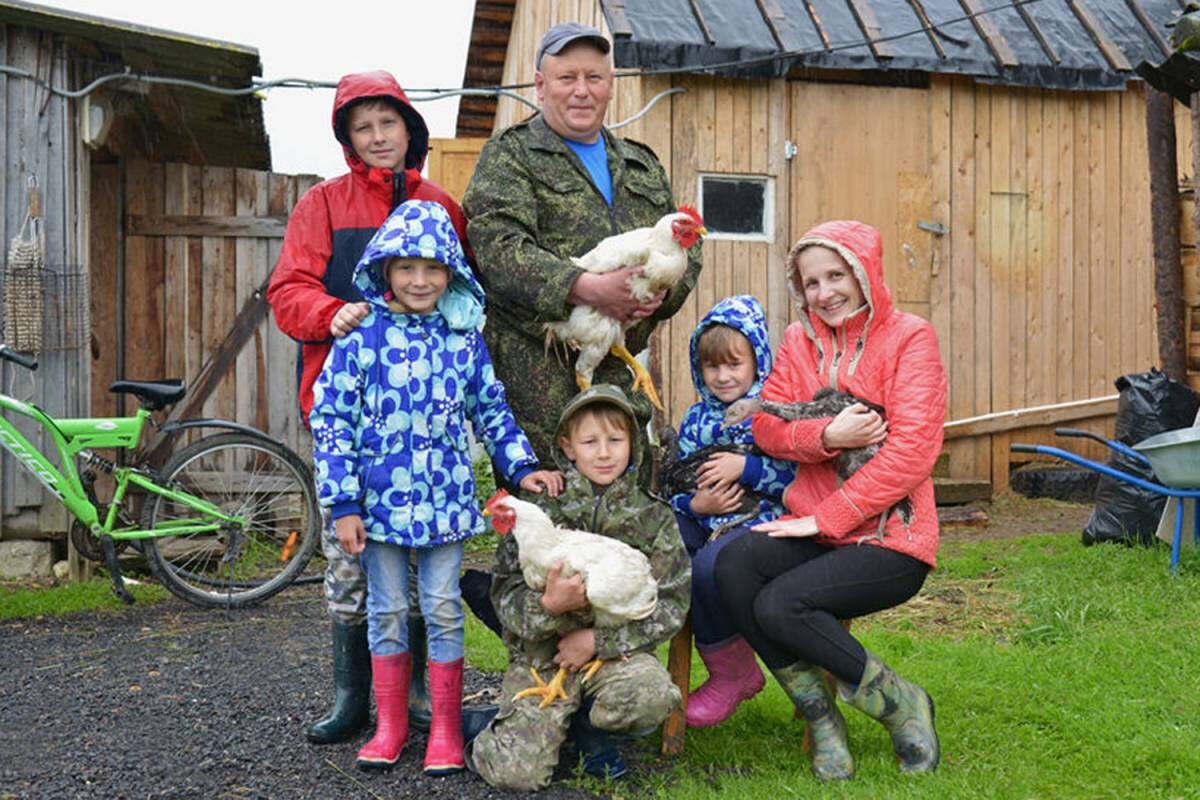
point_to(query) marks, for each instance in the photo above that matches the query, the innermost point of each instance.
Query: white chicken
(619, 584)
(661, 252)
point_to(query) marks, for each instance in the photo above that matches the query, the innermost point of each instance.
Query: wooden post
(1164, 220)
(679, 664)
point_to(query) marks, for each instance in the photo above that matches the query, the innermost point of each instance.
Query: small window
(737, 206)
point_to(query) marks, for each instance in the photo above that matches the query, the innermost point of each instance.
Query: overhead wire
(504, 90)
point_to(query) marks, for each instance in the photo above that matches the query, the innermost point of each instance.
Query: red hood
(862, 248)
(379, 84)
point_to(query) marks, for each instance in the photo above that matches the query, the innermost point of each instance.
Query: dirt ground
(171, 701)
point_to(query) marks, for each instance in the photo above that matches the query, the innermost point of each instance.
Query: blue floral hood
(744, 314)
(422, 229)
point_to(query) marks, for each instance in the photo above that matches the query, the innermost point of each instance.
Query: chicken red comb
(496, 498)
(693, 213)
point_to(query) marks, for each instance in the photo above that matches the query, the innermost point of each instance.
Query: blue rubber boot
(600, 758)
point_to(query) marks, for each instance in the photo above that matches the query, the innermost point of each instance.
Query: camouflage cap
(563, 34)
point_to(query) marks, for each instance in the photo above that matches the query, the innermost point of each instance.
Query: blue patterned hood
(744, 314)
(422, 229)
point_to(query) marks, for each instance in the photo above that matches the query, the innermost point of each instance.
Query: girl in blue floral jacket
(394, 467)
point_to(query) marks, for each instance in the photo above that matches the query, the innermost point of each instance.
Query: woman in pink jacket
(831, 558)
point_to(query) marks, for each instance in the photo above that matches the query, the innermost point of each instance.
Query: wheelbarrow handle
(1023, 448)
(1109, 443)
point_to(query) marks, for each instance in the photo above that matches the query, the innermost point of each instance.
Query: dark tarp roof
(1062, 44)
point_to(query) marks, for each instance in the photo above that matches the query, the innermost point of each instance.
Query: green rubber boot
(806, 685)
(904, 708)
(352, 687)
(420, 710)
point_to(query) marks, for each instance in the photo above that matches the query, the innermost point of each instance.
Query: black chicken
(826, 402)
(678, 476)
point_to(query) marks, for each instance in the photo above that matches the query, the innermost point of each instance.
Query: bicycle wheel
(259, 480)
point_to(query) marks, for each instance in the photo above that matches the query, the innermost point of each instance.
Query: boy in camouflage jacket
(632, 692)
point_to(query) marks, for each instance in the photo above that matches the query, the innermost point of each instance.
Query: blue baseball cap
(564, 34)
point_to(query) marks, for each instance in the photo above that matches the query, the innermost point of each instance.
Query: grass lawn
(34, 600)
(1058, 672)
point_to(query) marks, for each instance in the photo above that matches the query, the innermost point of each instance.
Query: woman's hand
(351, 534)
(548, 479)
(563, 594)
(799, 527)
(576, 649)
(855, 426)
(721, 469)
(710, 501)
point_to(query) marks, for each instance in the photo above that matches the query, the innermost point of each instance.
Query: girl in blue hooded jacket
(394, 467)
(731, 358)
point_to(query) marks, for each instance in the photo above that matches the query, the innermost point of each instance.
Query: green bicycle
(228, 521)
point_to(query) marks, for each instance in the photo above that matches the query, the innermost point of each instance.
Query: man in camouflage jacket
(532, 205)
(631, 692)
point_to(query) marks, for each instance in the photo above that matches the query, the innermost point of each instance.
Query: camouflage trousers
(519, 750)
(346, 582)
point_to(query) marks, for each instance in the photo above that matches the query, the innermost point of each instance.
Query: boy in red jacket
(312, 293)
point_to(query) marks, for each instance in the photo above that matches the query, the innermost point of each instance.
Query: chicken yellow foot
(591, 669)
(641, 378)
(549, 692)
(583, 383)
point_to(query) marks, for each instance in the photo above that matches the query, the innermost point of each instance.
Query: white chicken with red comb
(619, 583)
(661, 253)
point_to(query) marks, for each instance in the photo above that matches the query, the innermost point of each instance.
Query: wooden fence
(198, 242)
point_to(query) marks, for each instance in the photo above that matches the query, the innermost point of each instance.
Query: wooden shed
(161, 219)
(999, 147)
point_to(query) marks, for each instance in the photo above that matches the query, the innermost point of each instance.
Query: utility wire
(510, 90)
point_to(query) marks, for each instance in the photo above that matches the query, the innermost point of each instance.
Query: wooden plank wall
(182, 292)
(38, 138)
(1044, 292)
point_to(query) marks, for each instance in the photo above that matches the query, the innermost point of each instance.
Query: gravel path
(170, 701)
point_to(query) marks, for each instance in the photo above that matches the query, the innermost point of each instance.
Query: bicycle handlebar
(8, 354)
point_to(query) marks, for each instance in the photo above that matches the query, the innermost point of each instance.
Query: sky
(424, 44)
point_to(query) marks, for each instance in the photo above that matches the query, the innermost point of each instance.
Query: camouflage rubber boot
(904, 708)
(807, 687)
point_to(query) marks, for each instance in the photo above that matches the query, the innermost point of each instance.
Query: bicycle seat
(154, 395)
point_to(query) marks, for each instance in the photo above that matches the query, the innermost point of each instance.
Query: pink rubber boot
(444, 751)
(390, 676)
(733, 676)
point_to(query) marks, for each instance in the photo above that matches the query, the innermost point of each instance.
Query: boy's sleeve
(302, 305)
(495, 425)
(672, 569)
(501, 207)
(337, 402)
(519, 607)
(797, 440)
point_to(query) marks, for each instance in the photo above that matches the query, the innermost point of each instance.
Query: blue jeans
(387, 568)
(710, 623)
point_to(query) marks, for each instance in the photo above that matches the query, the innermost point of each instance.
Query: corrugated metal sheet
(1063, 44)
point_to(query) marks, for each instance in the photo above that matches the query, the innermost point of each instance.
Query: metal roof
(1062, 44)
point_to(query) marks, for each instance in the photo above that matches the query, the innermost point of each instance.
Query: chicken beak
(487, 512)
(703, 231)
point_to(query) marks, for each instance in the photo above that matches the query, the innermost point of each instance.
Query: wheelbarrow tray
(1174, 456)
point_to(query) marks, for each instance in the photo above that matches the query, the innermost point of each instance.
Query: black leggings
(785, 596)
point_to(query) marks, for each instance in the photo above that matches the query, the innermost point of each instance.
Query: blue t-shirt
(595, 158)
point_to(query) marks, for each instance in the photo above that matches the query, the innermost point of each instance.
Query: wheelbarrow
(1174, 456)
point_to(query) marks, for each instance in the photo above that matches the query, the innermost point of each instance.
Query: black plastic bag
(1150, 404)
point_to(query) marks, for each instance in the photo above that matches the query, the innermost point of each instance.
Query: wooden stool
(679, 665)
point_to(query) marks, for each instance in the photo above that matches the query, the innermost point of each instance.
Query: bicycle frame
(71, 438)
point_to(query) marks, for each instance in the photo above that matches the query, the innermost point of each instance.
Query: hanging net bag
(24, 282)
